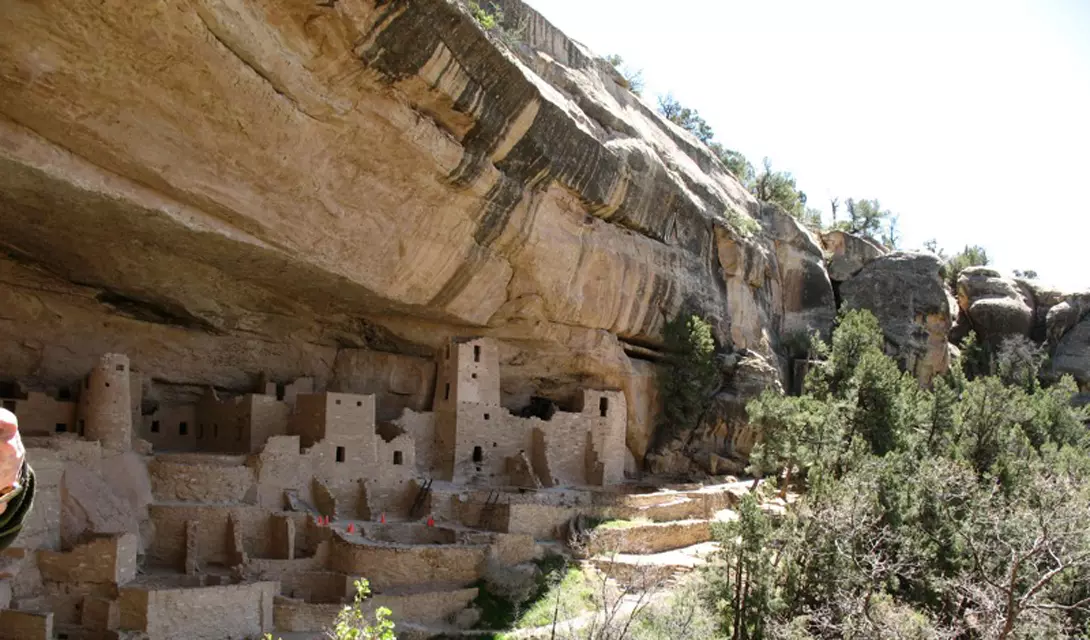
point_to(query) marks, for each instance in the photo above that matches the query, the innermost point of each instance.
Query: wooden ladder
(421, 497)
(488, 511)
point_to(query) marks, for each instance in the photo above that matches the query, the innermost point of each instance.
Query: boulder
(91, 506)
(847, 253)
(1065, 315)
(905, 291)
(997, 307)
(1072, 354)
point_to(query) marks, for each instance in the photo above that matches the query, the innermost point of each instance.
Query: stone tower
(467, 401)
(105, 409)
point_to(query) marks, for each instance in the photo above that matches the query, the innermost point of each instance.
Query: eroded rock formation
(237, 185)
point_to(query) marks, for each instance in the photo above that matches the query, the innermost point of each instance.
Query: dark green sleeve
(11, 521)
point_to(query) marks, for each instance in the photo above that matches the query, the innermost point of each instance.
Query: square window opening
(359, 403)
(120, 367)
(398, 458)
(183, 428)
(487, 416)
(336, 401)
(61, 427)
(155, 426)
(478, 454)
(603, 406)
(474, 376)
(340, 454)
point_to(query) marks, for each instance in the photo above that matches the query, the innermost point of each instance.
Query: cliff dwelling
(241, 514)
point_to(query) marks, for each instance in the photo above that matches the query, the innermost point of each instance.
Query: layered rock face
(905, 291)
(226, 186)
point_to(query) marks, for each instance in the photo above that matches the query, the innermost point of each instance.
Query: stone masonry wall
(230, 612)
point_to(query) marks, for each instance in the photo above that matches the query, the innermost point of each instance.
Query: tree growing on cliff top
(686, 118)
(974, 256)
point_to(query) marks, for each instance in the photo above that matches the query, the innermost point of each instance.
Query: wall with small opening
(40, 414)
(163, 428)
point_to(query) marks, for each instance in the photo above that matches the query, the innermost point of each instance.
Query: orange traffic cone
(351, 528)
(431, 521)
(382, 518)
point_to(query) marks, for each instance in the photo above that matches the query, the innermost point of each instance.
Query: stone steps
(655, 569)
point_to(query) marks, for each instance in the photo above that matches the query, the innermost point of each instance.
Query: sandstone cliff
(224, 188)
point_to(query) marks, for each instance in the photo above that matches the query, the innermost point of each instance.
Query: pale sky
(969, 118)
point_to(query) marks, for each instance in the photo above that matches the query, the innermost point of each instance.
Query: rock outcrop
(242, 185)
(1072, 355)
(848, 254)
(996, 307)
(905, 291)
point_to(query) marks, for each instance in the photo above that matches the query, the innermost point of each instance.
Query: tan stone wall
(168, 546)
(468, 371)
(542, 521)
(230, 612)
(25, 625)
(105, 559)
(308, 418)
(169, 436)
(266, 418)
(105, 403)
(607, 433)
(65, 599)
(41, 415)
(200, 482)
(497, 433)
(652, 538)
(388, 566)
(291, 615)
(421, 428)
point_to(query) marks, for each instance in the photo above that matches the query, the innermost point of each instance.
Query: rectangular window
(183, 428)
(478, 454)
(603, 406)
(61, 427)
(81, 429)
(216, 431)
(476, 353)
(120, 367)
(397, 457)
(340, 454)
(155, 426)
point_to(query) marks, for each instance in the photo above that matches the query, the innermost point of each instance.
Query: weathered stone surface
(1072, 355)
(848, 253)
(907, 294)
(726, 434)
(996, 306)
(1065, 315)
(90, 506)
(254, 206)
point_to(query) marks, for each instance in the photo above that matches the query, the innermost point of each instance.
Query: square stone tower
(467, 407)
